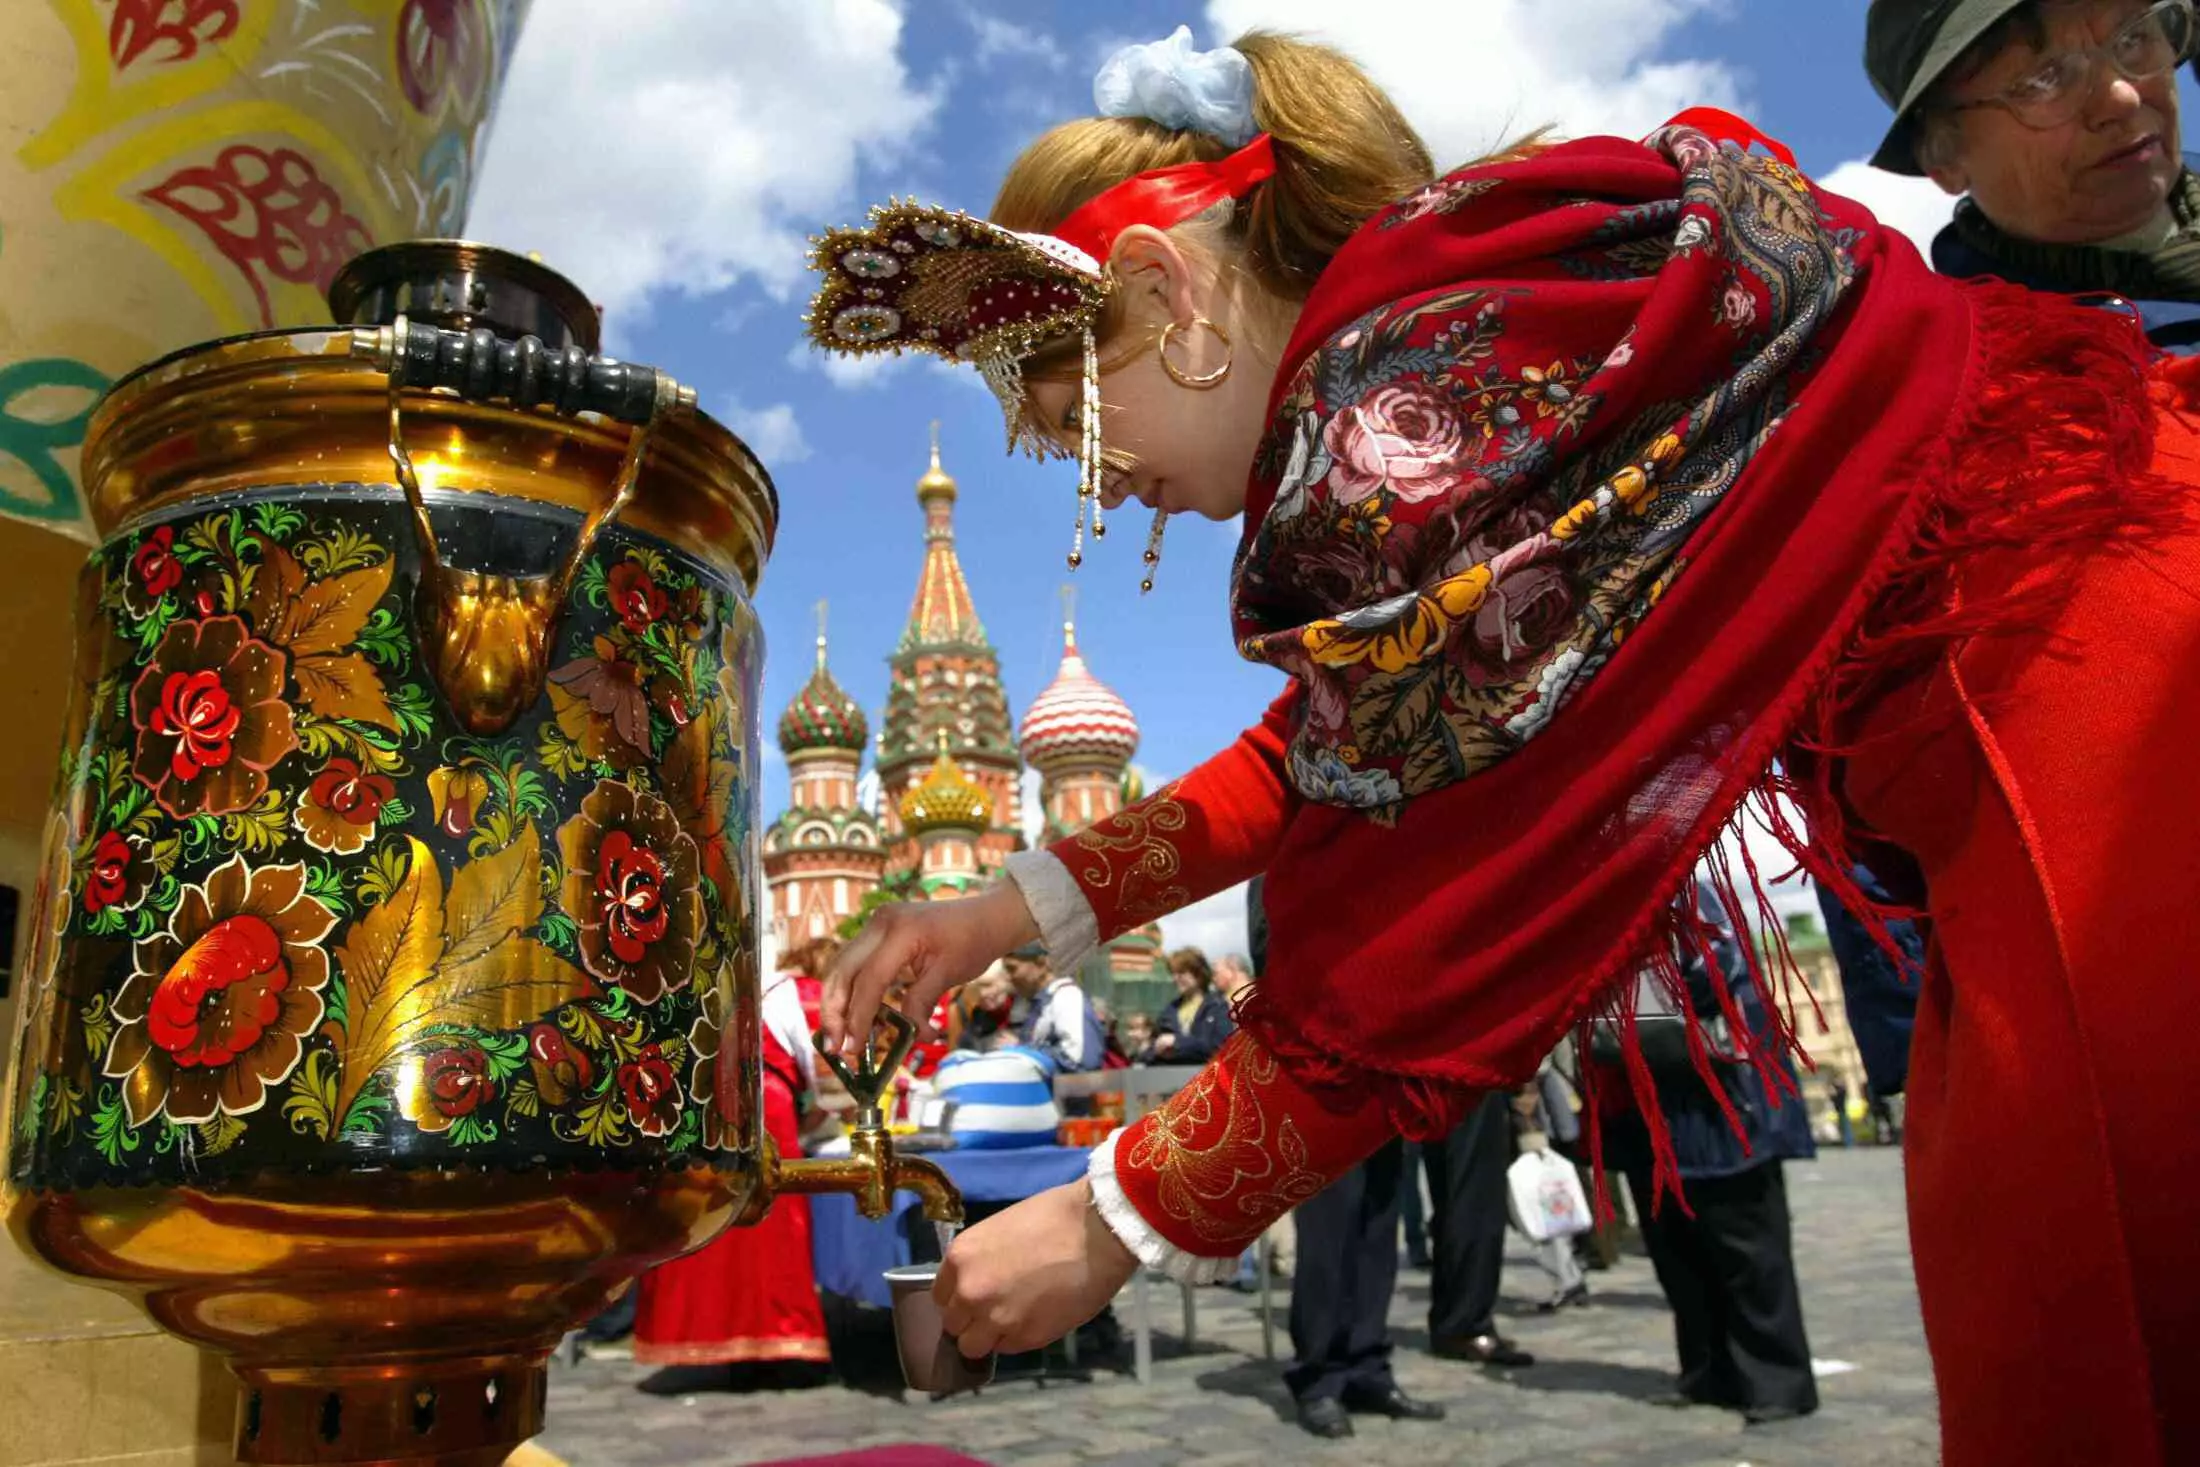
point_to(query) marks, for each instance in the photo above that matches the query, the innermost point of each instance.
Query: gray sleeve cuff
(1066, 920)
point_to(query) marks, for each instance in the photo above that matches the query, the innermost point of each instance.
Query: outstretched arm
(1206, 832)
(1202, 834)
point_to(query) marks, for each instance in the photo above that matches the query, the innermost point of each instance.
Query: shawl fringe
(2045, 455)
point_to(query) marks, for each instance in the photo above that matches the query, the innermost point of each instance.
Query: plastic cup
(930, 1360)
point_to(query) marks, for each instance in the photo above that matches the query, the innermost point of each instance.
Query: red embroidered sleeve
(1236, 1149)
(1204, 833)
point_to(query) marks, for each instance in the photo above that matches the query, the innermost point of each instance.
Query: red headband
(1165, 197)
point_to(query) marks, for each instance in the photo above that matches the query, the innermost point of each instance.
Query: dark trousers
(1340, 1290)
(1466, 1226)
(1729, 1273)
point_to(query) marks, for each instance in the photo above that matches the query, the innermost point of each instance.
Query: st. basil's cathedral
(950, 768)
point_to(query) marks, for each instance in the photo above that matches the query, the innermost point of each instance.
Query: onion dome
(1079, 721)
(946, 799)
(937, 483)
(822, 715)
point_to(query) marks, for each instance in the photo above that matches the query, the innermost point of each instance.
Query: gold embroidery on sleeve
(1229, 1183)
(1130, 855)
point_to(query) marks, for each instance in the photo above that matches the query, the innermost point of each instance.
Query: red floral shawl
(1816, 454)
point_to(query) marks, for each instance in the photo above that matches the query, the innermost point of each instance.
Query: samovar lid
(461, 285)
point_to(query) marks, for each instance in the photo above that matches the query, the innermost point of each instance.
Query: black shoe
(1577, 1295)
(1417, 1258)
(1394, 1403)
(686, 1380)
(1325, 1416)
(1769, 1415)
(1491, 1349)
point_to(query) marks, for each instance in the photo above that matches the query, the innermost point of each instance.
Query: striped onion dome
(823, 716)
(946, 799)
(1079, 721)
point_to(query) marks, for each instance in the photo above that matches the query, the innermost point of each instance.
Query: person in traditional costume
(1595, 497)
(744, 1309)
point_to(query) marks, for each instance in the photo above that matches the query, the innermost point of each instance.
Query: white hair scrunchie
(1171, 83)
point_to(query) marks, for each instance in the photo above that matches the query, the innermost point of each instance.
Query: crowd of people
(1600, 497)
(1598, 494)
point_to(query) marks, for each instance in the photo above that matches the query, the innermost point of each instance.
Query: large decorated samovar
(393, 988)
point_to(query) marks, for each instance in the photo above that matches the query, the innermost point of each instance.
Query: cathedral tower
(824, 854)
(947, 684)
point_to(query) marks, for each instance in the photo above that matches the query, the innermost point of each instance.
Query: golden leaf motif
(389, 954)
(493, 900)
(344, 686)
(419, 961)
(274, 587)
(326, 615)
(514, 985)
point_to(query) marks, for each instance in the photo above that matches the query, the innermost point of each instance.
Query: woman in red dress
(748, 1300)
(1596, 497)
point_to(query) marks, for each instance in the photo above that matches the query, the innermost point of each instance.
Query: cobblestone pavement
(1585, 1403)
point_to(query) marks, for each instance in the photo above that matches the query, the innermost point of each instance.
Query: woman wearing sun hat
(1592, 495)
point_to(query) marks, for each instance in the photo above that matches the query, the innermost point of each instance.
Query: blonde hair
(1343, 152)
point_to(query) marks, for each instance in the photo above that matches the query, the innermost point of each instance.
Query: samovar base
(470, 1412)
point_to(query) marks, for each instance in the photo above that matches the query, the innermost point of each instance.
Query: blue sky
(673, 156)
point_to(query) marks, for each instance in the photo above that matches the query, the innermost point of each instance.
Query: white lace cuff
(1148, 1246)
(1058, 905)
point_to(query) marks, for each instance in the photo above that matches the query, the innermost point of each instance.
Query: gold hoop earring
(1204, 380)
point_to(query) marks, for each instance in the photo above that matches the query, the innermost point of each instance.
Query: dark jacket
(2173, 326)
(1880, 995)
(1194, 1046)
(1704, 1143)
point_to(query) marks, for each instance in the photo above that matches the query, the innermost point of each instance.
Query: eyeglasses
(2056, 91)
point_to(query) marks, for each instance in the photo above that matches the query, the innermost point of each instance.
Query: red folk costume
(750, 1295)
(1610, 494)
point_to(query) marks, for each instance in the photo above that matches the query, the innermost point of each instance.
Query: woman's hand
(922, 949)
(1028, 1276)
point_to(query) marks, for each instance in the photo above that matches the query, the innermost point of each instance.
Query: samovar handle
(487, 638)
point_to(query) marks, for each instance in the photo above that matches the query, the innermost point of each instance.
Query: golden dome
(946, 800)
(937, 482)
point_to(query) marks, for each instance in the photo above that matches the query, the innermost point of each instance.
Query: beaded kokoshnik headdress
(918, 277)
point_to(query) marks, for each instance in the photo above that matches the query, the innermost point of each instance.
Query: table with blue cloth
(851, 1253)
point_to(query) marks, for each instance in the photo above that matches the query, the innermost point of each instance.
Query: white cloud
(772, 433)
(686, 144)
(846, 371)
(1214, 926)
(1915, 206)
(1004, 40)
(1471, 76)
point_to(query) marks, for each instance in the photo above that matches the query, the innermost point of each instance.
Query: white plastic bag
(1546, 1198)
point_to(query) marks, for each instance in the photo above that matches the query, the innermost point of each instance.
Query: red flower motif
(210, 718)
(441, 45)
(630, 896)
(338, 810)
(457, 791)
(217, 1007)
(633, 888)
(154, 569)
(636, 598)
(561, 1068)
(268, 212)
(116, 874)
(652, 1091)
(178, 27)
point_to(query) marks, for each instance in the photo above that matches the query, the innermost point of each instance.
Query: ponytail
(1342, 149)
